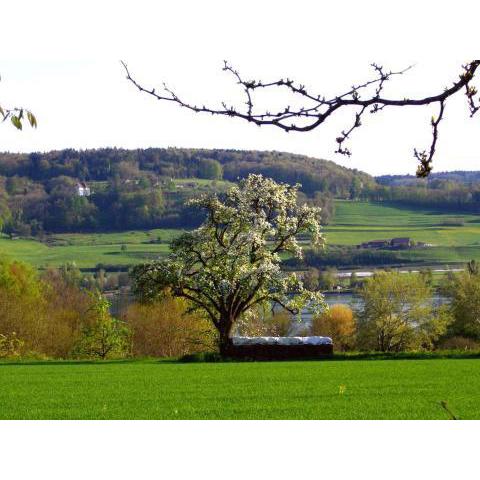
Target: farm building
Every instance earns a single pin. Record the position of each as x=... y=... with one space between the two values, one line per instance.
x=401 y=242
x=396 y=243
x=375 y=244
x=83 y=190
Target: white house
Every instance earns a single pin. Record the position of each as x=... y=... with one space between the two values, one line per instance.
x=83 y=190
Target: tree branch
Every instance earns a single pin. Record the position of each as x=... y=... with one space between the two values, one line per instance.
x=319 y=108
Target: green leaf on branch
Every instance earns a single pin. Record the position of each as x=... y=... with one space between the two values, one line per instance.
x=32 y=119
x=16 y=122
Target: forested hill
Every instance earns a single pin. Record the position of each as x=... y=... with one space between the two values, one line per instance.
x=458 y=176
x=116 y=189
x=107 y=163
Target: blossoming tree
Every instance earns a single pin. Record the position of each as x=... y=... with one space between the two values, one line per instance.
x=230 y=265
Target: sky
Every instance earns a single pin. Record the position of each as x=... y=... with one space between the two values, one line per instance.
x=62 y=60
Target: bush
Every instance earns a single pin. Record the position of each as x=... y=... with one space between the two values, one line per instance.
x=22 y=304
x=106 y=337
x=164 y=329
x=203 y=357
x=10 y=346
x=459 y=343
x=68 y=310
x=47 y=313
x=337 y=322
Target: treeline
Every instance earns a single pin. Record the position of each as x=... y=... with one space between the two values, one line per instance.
x=409 y=320
x=457 y=176
x=53 y=315
x=445 y=195
x=346 y=256
x=31 y=208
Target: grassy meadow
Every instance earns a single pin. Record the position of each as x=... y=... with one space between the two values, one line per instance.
x=89 y=249
x=455 y=236
x=360 y=389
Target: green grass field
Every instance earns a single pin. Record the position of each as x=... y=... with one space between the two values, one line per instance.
x=88 y=250
x=355 y=222
x=202 y=182
x=372 y=389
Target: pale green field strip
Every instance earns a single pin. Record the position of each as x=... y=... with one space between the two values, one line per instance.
x=355 y=222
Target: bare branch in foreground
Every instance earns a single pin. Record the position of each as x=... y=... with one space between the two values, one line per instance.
x=316 y=108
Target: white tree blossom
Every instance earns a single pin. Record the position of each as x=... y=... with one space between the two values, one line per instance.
x=231 y=263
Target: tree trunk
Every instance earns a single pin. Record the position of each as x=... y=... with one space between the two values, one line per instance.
x=224 y=340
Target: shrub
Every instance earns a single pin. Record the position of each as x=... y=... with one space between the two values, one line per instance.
x=337 y=322
x=165 y=329
x=106 y=337
x=10 y=346
x=22 y=303
x=68 y=309
x=47 y=313
x=459 y=343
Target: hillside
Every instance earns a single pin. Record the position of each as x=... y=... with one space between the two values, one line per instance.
x=455 y=239
x=116 y=189
x=107 y=163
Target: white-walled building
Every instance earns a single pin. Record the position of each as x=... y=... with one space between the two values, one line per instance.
x=83 y=189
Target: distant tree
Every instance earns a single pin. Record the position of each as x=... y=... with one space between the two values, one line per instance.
x=325 y=202
x=327 y=279
x=231 y=263
x=355 y=188
x=71 y=274
x=427 y=275
x=5 y=212
x=105 y=337
x=314 y=109
x=354 y=282
x=398 y=314
x=311 y=278
x=463 y=292
x=100 y=278
x=210 y=169
x=473 y=268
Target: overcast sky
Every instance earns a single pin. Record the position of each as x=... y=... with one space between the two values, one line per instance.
x=61 y=60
